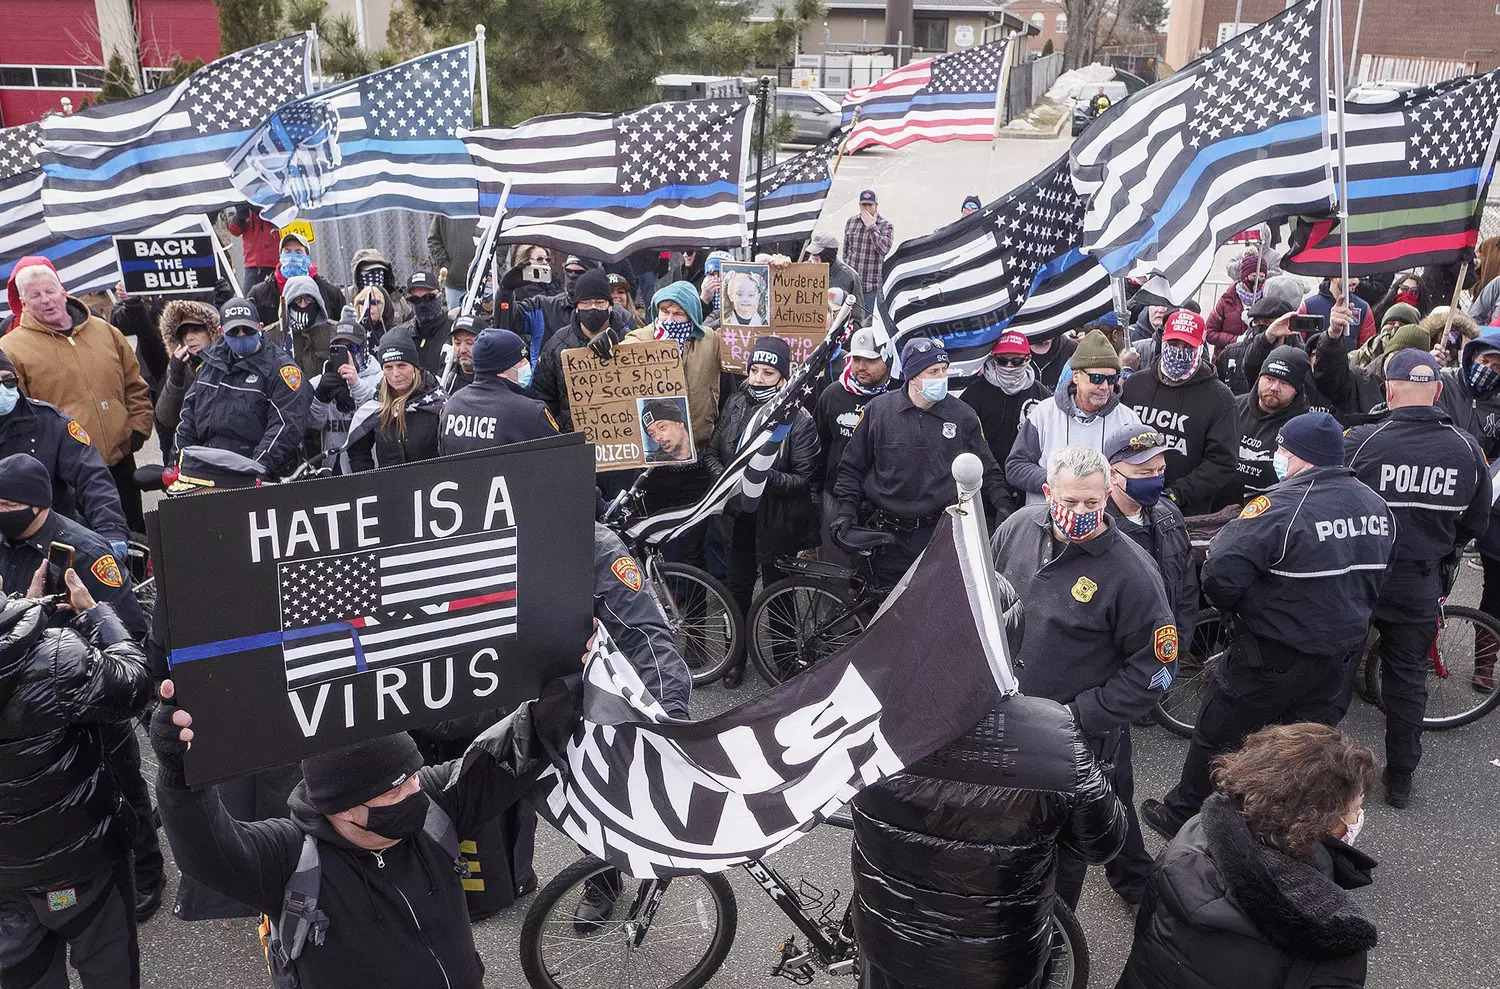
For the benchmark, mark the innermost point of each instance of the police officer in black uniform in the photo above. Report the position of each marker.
(1297, 576)
(82, 487)
(495, 409)
(895, 472)
(28, 528)
(1099, 635)
(1435, 480)
(248, 398)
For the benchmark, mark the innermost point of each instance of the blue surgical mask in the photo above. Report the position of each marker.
(1483, 378)
(935, 389)
(523, 374)
(9, 396)
(293, 264)
(243, 346)
(1281, 465)
(1145, 491)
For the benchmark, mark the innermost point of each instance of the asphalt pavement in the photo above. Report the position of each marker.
(1436, 898)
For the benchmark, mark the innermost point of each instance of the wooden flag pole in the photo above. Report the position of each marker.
(1458, 286)
(853, 123)
(483, 74)
(1337, 13)
(1001, 86)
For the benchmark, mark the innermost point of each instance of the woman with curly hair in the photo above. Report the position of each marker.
(1251, 894)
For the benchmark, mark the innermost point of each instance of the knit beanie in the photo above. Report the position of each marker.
(774, 353)
(1402, 313)
(1315, 437)
(1408, 336)
(398, 347)
(25, 481)
(1288, 363)
(497, 351)
(1095, 351)
(347, 777)
(592, 284)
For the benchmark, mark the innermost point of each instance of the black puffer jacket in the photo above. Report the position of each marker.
(550, 382)
(1224, 911)
(370, 445)
(786, 519)
(954, 859)
(58, 801)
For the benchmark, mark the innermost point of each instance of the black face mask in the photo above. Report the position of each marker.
(427, 310)
(592, 320)
(16, 521)
(402, 820)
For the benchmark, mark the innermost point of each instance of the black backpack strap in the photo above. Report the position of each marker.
(440, 828)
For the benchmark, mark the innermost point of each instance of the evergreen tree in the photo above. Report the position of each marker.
(246, 23)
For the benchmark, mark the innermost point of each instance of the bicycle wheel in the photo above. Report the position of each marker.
(798, 622)
(1068, 968)
(1467, 638)
(710, 629)
(1177, 710)
(688, 938)
(1367, 677)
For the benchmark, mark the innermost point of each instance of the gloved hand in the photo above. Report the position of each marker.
(328, 386)
(170, 733)
(1449, 570)
(603, 345)
(137, 440)
(841, 524)
(342, 400)
(121, 550)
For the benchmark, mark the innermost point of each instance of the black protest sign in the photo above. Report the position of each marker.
(157, 265)
(306, 616)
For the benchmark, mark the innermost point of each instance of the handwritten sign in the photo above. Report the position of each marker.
(799, 315)
(631, 406)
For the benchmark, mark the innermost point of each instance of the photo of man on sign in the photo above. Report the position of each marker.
(664, 423)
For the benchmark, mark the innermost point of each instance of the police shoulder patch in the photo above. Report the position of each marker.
(107, 571)
(626, 570)
(292, 375)
(548, 413)
(78, 432)
(62, 899)
(1255, 506)
(1166, 643)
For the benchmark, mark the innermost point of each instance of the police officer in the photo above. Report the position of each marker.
(495, 409)
(1297, 576)
(248, 398)
(82, 487)
(896, 467)
(1099, 635)
(1137, 478)
(1436, 483)
(28, 528)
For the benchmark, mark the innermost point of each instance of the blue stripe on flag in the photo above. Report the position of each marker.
(451, 147)
(139, 156)
(800, 189)
(246, 643)
(491, 200)
(1410, 185)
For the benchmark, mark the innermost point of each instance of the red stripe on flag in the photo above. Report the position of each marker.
(1382, 253)
(483, 599)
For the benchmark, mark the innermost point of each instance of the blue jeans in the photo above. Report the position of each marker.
(454, 296)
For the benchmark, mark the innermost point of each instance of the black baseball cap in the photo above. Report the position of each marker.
(868, 196)
(239, 312)
(661, 409)
(421, 279)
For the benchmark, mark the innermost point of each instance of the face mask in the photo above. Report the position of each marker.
(592, 320)
(16, 521)
(1281, 465)
(935, 389)
(1074, 525)
(243, 346)
(1178, 363)
(1408, 296)
(402, 820)
(762, 393)
(523, 374)
(299, 318)
(1011, 380)
(428, 309)
(293, 264)
(1352, 835)
(372, 275)
(9, 396)
(1482, 378)
(679, 330)
(1145, 491)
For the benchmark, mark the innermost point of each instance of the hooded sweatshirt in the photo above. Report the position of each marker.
(1198, 419)
(702, 357)
(307, 334)
(1051, 425)
(1477, 414)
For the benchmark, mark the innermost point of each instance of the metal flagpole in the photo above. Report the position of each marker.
(763, 95)
(226, 261)
(484, 79)
(1337, 13)
(1359, 22)
(1117, 287)
(1239, 8)
(317, 52)
(1004, 82)
(853, 123)
(476, 278)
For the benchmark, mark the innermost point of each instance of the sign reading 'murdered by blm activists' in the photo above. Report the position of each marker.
(306, 616)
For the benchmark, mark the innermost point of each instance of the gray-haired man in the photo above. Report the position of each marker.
(1099, 633)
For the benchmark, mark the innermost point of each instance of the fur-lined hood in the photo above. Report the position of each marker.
(180, 311)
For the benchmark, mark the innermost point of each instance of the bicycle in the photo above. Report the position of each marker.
(689, 923)
(710, 630)
(817, 610)
(1177, 710)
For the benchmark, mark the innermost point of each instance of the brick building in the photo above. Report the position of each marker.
(1398, 39)
(1047, 17)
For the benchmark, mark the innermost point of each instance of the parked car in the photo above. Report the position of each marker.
(1085, 105)
(816, 116)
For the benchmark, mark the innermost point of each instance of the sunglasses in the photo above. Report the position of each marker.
(1103, 379)
(241, 331)
(1012, 361)
(9, 381)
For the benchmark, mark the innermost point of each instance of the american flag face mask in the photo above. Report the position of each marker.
(1075, 525)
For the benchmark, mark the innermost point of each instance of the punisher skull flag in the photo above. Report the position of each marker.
(655, 796)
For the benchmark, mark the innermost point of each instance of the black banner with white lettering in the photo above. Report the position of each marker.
(306, 616)
(158, 265)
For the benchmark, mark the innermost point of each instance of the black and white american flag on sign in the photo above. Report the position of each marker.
(606, 185)
(345, 614)
(125, 165)
(1235, 139)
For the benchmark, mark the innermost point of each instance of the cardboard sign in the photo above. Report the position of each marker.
(303, 617)
(633, 407)
(798, 313)
(158, 265)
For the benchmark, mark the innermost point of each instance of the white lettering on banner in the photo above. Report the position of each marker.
(441, 682)
(164, 248)
(1352, 528)
(1413, 479)
(265, 533)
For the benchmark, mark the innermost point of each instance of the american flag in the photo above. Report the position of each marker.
(1235, 139)
(125, 165)
(387, 140)
(1012, 265)
(1418, 166)
(744, 477)
(607, 185)
(352, 612)
(794, 194)
(949, 97)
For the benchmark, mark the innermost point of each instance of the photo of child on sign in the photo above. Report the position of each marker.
(664, 424)
(745, 294)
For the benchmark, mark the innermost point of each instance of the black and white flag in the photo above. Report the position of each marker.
(794, 194)
(655, 796)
